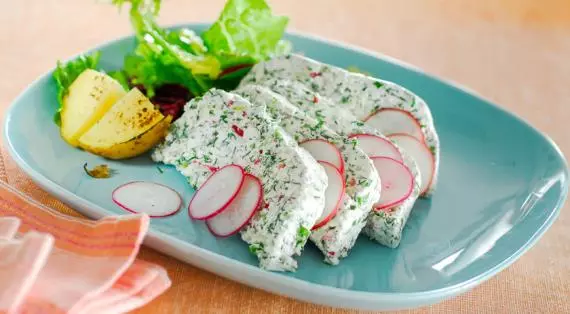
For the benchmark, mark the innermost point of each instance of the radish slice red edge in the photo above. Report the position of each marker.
(333, 194)
(217, 193)
(375, 146)
(240, 211)
(153, 199)
(325, 151)
(397, 182)
(395, 121)
(421, 155)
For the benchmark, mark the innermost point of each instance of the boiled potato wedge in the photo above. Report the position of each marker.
(89, 97)
(137, 145)
(132, 126)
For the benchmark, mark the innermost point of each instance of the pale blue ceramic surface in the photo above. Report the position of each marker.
(502, 184)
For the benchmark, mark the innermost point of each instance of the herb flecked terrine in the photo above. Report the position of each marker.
(362, 95)
(337, 236)
(383, 226)
(222, 128)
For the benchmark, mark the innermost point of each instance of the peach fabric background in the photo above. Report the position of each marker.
(514, 52)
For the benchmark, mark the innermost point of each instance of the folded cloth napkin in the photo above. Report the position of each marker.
(141, 282)
(83, 266)
(21, 260)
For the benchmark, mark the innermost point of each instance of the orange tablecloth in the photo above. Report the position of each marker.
(515, 52)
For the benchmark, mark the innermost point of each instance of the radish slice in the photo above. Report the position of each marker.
(219, 190)
(240, 211)
(375, 146)
(333, 194)
(421, 154)
(151, 198)
(322, 150)
(397, 181)
(393, 121)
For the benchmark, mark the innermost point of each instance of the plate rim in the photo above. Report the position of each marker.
(276, 282)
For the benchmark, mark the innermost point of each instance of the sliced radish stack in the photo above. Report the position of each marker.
(375, 146)
(397, 182)
(151, 198)
(325, 151)
(421, 154)
(395, 121)
(333, 194)
(239, 211)
(217, 193)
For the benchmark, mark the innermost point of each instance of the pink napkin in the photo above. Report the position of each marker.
(21, 260)
(60, 264)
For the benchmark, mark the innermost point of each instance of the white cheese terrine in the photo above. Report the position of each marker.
(222, 128)
(383, 226)
(337, 236)
(362, 95)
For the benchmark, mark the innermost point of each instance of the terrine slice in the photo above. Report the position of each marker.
(338, 235)
(384, 226)
(222, 128)
(362, 95)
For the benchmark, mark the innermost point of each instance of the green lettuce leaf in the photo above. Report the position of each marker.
(66, 73)
(167, 57)
(155, 39)
(246, 28)
(188, 40)
(151, 71)
(245, 33)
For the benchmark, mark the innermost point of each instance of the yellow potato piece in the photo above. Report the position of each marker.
(137, 145)
(90, 96)
(129, 128)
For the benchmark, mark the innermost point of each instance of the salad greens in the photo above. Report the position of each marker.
(245, 33)
(246, 28)
(160, 60)
(66, 73)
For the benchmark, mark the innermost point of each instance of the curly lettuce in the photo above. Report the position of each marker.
(149, 70)
(164, 57)
(246, 28)
(66, 73)
(245, 33)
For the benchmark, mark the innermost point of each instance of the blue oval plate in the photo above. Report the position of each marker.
(502, 184)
